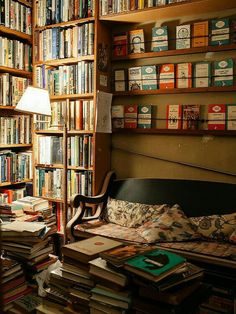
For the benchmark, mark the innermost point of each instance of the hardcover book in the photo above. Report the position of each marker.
(183, 36)
(167, 76)
(88, 249)
(135, 78)
(184, 75)
(223, 72)
(216, 117)
(202, 74)
(191, 115)
(155, 265)
(120, 43)
(200, 34)
(136, 41)
(174, 116)
(220, 32)
(149, 77)
(159, 38)
(231, 117)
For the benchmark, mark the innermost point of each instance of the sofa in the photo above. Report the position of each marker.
(192, 217)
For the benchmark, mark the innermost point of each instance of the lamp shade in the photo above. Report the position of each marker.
(35, 100)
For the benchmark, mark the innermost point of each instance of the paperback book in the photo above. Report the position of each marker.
(174, 116)
(216, 117)
(183, 36)
(200, 34)
(223, 72)
(184, 75)
(191, 115)
(136, 41)
(231, 117)
(167, 76)
(119, 80)
(159, 38)
(149, 77)
(145, 116)
(135, 78)
(202, 74)
(120, 43)
(220, 33)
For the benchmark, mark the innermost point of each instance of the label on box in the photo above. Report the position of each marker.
(184, 75)
(223, 72)
(149, 77)
(231, 117)
(120, 80)
(220, 32)
(167, 76)
(174, 115)
(202, 71)
(117, 111)
(216, 117)
(159, 38)
(135, 78)
(183, 36)
(200, 34)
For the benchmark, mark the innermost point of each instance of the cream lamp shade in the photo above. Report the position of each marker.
(35, 100)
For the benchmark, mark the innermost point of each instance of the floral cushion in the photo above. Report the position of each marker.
(128, 214)
(232, 237)
(171, 225)
(216, 227)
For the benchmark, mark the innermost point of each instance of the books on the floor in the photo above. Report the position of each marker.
(88, 249)
(22, 228)
(32, 203)
(155, 265)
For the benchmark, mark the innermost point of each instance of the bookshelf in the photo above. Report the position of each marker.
(15, 76)
(65, 61)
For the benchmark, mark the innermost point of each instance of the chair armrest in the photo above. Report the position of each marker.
(79, 202)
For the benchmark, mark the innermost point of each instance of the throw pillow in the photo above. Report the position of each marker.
(215, 227)
(172, 225)
(130, 214)
(232, 237)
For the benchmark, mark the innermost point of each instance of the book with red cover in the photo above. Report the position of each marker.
(120, 42)
(216, 117)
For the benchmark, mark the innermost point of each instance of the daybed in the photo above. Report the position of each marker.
(191, 217)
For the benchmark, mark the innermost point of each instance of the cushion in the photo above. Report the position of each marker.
(232, 237)
(171, 225)
(128, 214)
(216, 227)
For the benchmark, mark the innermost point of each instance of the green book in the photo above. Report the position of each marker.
(155, 265)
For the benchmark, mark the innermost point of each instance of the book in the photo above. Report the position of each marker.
(159, 38)
(99, 307)
(145, 116)
(9, 266)
(183, 36)
(220, 33)
(191, 115)
(231, 117)
(149, 77)
(120, 44)
(216, 117)
(131, 115)
(155, 265)
(174, 117)
(135, 78)
(136, 41)
(167, 76)
(117, 114)
(32, 203)
(88, 249)
(21, 228)
(119, 80)
(202, 74)
(119, 255)
(200, 34)
(184, 75)
(99, 268)
(223, 72)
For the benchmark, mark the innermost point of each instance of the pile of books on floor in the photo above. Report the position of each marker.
(30, 244)
(13, 282)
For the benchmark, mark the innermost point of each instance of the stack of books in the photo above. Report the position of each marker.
(30, 244)
(13, 282)
(72, 283)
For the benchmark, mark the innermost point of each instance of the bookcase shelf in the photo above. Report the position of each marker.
(65, 24)
(175, 132)
(211, 89)
(27, 3)
(14, 183)
(16, 34)
(17, 72)
(50, 166)
(72, 96)
(79, 168)
(176, 52)
(15, 146)
(65, 61)
(180, 9)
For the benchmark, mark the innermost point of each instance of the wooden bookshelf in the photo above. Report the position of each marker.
(175, 132)
(16, 72)
(4, 184)
(65, 61)
(15, 34)
(66, 24)
(72, 96)
(15, 146)
(27, 3)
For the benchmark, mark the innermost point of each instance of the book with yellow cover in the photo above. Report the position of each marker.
(200, 34)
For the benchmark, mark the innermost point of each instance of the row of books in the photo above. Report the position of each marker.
(15, 54)
(49, 150)
(109, 7)
(215, 32)
(79, 182)
(9, 195)
(15, 130)
(16, 16)
(60, 43)
(80, 77)
(180, 75)
(186, 117)
(11, 89)
(80, 151)
(56, 11)
(15, 167)
(78, 115)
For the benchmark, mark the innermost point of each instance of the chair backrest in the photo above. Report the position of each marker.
(196, 198)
